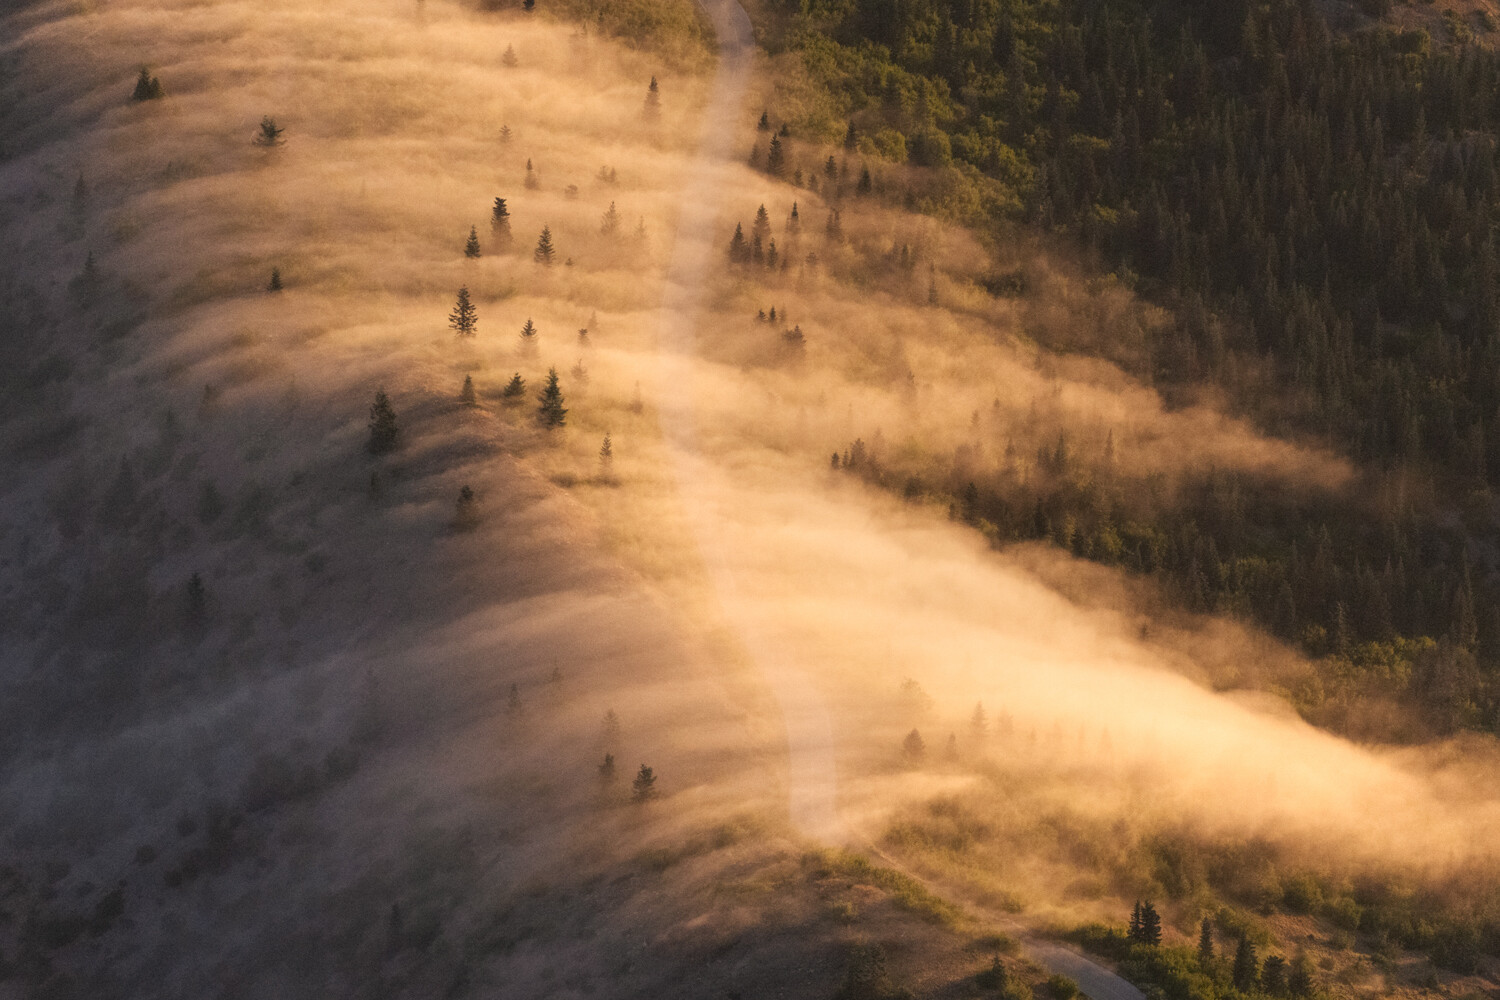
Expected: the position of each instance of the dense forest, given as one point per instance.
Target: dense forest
(1318, 211)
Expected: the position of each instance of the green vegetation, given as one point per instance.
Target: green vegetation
(906, 892)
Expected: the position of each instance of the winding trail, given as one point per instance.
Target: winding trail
(709, 495)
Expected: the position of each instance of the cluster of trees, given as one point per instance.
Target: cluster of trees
(1182, 972)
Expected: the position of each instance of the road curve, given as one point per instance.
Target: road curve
(705, 488)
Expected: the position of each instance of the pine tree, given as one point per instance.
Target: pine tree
(607, 770)
(532, 181)
(1273, 976)
(739, 252)
(1206, 944)
(383, 430)
(270, 133)
(776, 158)
(1299, 981)
(471, 245)
(834, 229)
(466, 395)
(994, 978)
(764, 125)
(866, 182)
(509, 59)
(275, 283)
(913, 748)
(794, 221)
(466, 512)
(505, 134)
(644, 785)
(607, 457)
(978, 724)
(464, 319)
(550, 412)
(1246, 973)
(515, 389)
(529, 335)
(147, 87)
(1150, 924)
(500, 224)
(544, 253)
(1134, 932)
(609, 225)
(653, 101)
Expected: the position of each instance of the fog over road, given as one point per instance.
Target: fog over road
(710, 496)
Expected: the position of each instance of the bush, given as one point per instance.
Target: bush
(1062, 987)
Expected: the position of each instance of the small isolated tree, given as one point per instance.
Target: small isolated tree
(607, 459)
(466, 511)
(466, 395)
(544, 253)
(514, 390)
(147, 87)
(644, 785)
(383, 429)
(993, 978)
(509, 59)
(764, 124)
(500, 224)
(471, 245)
(550, 412)
(653, 101)
(532, 181)
(505, 134)
(464, 319)
(607, 771)
(529, 334)
(270, 133)
(275, 283)
(978, 725)
(1206, 944)
(610, 224)
(776, 158)
(913, 748)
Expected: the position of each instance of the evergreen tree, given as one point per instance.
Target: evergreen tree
(529, 334)
(270, 133)
(644, 785)
(610, 224)
(1150, 924)
(1273, 976)
(739, 252)
(653, 101)
(532, 181)
(464, 319)
(978, 724)
(1299, 980)
(471, 245)
(528, 5)
(515, 389)
(466, 395)
(466, 512)
(1134, 933)
(1206, 944)
(776, 158)
(607, 457)
(994, 978)
(500, 224)
(147, 87)
(383, 430)
(607, 771)
(1246, 974)
(834, 228)
(509, 59)
(866, 182)
(544, 254)
(550, 412)
(275, 283)
(913, 748)
(505, 134)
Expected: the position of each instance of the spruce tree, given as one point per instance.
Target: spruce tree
(550, 412)
(471, 245)
(466, 395)
(275, 283)
(515, 389)
(1206, 944)
(147, 87)
(464, 319)
(528, 335)
(607, 771)
(1246, 973)
(834, 229)
(776, 158)
(509, 59)
(609, 225)
(1150, 924)
(762, 225)
(644, 785)
(383, 430)
(500, 224)
(866, 182)
(607, 457)
(1273, 976)
(1299, 981)
(270, 133)
(505, 134)
(545, 253)
(739, 252)
(1134, 932)
(532, 181)
(764, 124)
(653, 101)
(978, 724)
